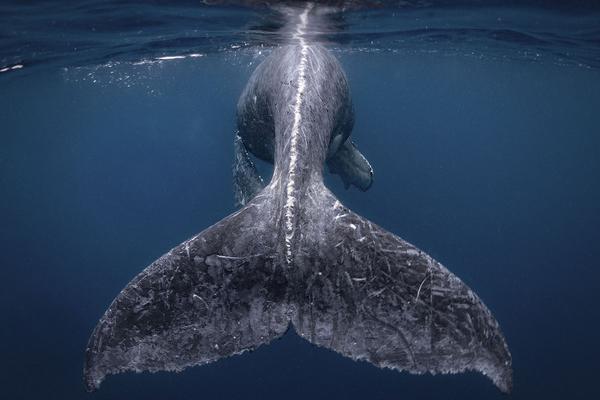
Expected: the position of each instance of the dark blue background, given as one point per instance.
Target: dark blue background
(491, 167)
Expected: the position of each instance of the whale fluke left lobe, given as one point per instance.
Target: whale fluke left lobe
(218, 294)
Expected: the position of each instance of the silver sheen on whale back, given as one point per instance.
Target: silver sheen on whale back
(294, 256)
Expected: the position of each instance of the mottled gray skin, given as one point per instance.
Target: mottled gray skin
(263, 102)
(341, 281)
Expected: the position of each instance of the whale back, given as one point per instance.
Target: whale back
(265, 108)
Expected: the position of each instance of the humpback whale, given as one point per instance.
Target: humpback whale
(295, 257)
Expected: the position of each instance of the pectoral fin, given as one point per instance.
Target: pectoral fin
(351, 166)
(247, 181)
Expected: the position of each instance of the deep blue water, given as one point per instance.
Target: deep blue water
(482, 125)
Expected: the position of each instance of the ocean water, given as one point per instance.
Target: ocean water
(482, 125)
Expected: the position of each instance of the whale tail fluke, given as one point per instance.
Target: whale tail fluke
(351, 287)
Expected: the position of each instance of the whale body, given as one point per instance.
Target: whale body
(295, 257)
(262, 112)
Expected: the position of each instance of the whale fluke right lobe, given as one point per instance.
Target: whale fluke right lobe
(369, 295)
